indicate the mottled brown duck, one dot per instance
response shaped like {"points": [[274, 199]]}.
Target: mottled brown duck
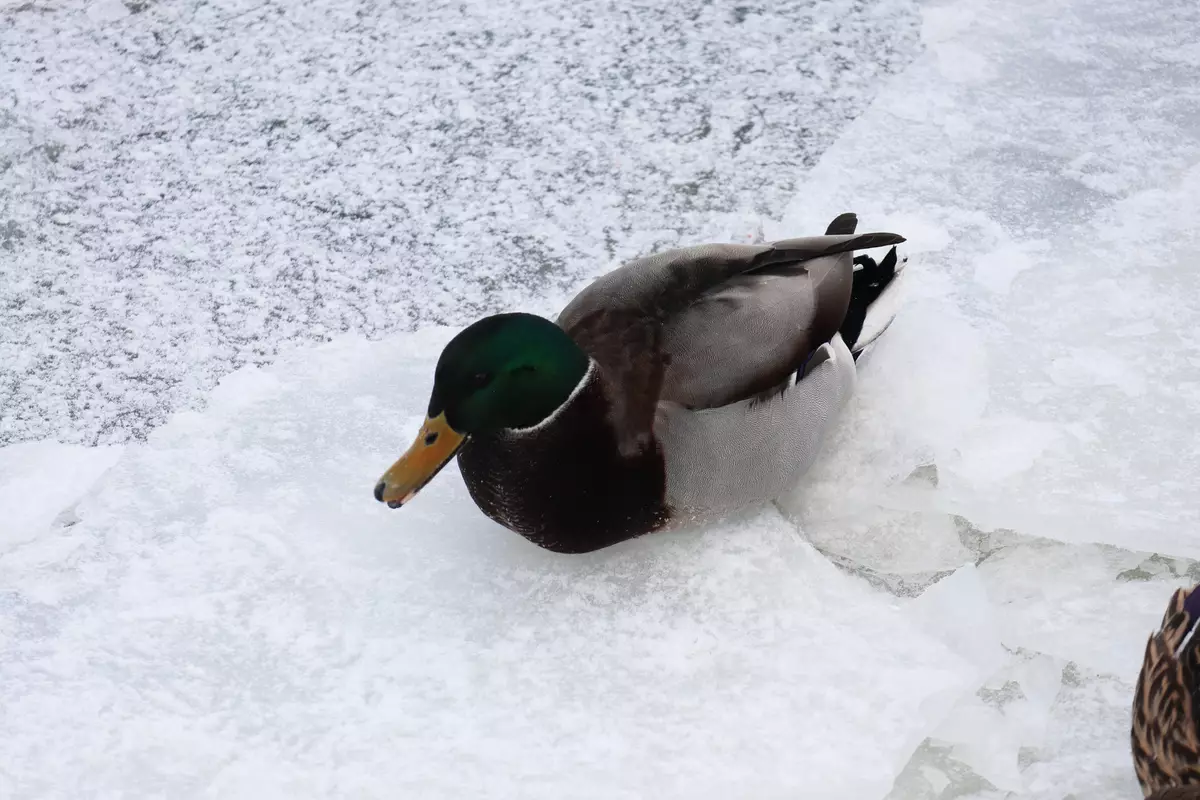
{"points": [[1165, 732]]}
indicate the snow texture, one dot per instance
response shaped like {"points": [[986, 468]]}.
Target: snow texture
{"points": [[234, 616], [185, 187], [1032, 408], [953, 604], [1044, 159], [41, 480]]}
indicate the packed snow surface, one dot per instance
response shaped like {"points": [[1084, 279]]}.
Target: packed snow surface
{"points": [[953, 604], [41, 480], [235, 615]]}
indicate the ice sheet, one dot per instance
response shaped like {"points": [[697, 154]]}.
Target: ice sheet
{"points": [[1057, 632], [1044, 159], [40, 480], [235, 616], [1088, 610], [186, 187]]}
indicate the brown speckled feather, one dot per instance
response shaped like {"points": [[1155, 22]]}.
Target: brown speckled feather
{"points": [[1177, 793], [1166, 745]]}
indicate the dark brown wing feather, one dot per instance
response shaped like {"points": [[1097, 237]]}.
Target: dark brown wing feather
{"points": [[1166, 747], [712, 324], [1177, 793]]}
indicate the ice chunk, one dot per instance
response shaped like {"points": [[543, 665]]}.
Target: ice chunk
{"points": [[1053, 719], [984, 742], [873, 495], [958, 610], [982, 730], [987, 730], [1051, 206], [1086, 748], [1091, 605], [39, 480], [234, 615]]}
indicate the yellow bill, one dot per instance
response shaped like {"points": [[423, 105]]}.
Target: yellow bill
{"points": [[436, 444]]}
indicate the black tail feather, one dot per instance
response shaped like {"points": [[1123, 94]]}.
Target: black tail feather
{"points": [[869, 283], [843, 224]]}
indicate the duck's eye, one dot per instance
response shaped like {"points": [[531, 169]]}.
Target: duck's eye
{"points": [[480, 380]]}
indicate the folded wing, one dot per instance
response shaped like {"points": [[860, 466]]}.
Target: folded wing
{"points": [[708, 325]]}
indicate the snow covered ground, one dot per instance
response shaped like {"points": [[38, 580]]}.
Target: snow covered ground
{"points": [[185, 186], [954, 604]]}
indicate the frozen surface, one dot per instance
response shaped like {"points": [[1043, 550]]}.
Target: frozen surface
{"points": [[40, 480], [1009, 501], [234, 616], [185, 186], [1051, 717], [1044, 159]]}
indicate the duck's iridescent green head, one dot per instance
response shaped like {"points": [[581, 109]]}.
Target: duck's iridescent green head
{"points": [[506, 371], [503, 372]]}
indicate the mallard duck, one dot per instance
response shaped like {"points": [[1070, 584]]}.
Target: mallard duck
{"points": [[1166, 726], [682, 384]]}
